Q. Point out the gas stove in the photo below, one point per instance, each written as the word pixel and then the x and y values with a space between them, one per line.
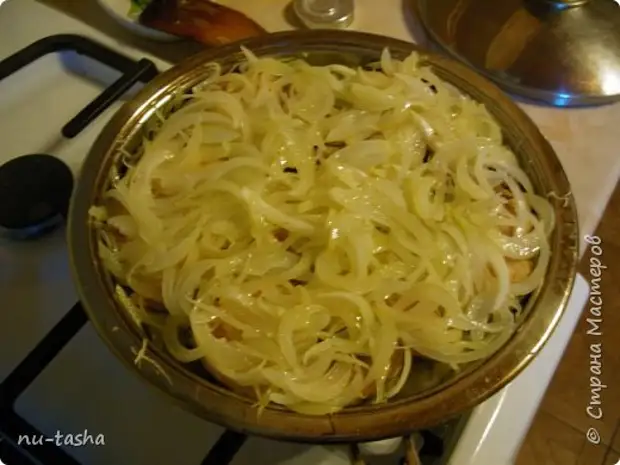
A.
pixel 64 398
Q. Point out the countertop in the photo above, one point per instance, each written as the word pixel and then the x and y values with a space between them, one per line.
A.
pixel 586 140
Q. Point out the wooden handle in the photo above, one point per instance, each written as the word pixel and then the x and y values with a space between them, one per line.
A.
pixel 201 20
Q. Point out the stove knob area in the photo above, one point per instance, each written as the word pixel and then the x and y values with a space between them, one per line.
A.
pixel 324 14
pixel 35 192
pixel 385 447
pixel 405 451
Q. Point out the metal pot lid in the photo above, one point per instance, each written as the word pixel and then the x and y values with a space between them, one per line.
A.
pixel 565 53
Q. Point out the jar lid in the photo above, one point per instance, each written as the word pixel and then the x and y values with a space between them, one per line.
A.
pixel 325 14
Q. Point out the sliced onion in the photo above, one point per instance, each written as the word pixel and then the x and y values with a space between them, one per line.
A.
pixel 310 223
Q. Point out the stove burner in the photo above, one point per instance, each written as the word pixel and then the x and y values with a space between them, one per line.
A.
pixel 34 195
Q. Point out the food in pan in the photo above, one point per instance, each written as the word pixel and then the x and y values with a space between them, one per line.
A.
pixel 311 234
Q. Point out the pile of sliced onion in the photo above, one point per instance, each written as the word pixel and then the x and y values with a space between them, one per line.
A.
pixel 309 232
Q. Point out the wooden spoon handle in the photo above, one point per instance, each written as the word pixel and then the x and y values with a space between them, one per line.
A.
pixel 200 20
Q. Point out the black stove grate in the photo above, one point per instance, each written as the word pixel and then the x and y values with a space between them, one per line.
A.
pixel 12 425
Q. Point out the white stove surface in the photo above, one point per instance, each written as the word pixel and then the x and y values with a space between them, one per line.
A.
pixel 85 387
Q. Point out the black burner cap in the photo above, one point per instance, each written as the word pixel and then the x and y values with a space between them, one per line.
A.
pixel 34 194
